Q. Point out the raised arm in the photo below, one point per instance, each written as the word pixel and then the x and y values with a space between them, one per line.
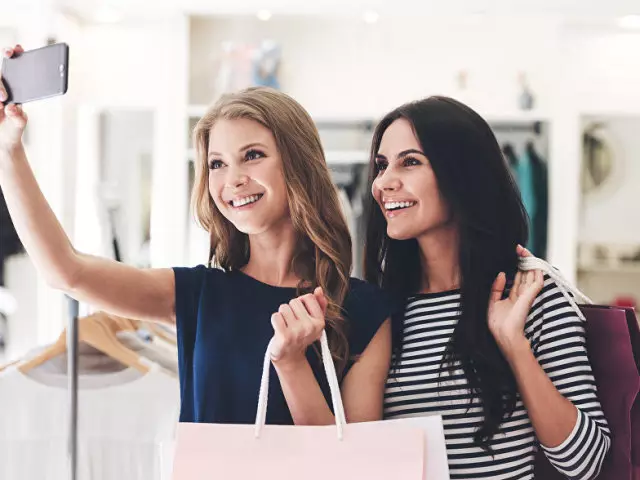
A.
pixel 111 286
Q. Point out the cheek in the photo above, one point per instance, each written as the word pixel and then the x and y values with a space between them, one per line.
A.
pixel 215 190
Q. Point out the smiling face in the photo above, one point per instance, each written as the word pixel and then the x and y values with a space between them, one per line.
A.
pixel 406 188
pixel 246 179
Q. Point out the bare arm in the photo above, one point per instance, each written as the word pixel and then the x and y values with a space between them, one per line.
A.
pixel 108 285
pixel 362 388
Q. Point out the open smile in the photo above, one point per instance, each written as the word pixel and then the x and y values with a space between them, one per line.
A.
pixel 243 203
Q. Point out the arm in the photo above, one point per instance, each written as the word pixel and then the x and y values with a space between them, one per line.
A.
pixel 553 416
pixel 558 348
pixel 362 388
pixel 108 285
pixel 553 373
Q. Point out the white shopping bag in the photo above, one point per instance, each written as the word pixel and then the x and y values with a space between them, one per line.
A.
pixel 411 449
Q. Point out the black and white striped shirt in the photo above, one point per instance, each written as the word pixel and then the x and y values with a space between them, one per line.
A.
pixel 557 337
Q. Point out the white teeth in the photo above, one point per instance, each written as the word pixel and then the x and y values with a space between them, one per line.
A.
pixel 246 200
pixel 398 205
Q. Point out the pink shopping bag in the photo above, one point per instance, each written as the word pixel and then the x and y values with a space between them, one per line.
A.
pixel 374 451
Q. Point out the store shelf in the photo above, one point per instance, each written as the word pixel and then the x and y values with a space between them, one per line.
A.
pixel 610 269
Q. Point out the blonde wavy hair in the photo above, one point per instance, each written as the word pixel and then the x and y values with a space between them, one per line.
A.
pixel 324 255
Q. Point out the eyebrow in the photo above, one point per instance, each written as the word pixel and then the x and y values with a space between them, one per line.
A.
pixel 246 147
pixel 403 153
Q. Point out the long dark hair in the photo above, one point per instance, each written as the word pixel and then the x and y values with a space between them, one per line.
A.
pixel 485 202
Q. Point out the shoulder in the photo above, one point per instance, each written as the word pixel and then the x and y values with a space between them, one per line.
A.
pixel 190 282
pixel 555 316
pixel 366 307
pixel 191 279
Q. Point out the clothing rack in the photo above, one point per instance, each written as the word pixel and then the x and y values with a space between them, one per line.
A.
pixel 529 127
pixel 72 376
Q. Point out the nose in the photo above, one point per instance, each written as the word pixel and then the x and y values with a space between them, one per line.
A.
pixel 388 181
pixel 236 177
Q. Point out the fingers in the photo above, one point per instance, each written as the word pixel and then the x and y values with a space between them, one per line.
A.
pixel 523 252
pixel 322 299
pixel 513 294
pixel 279 325
pixel 11 51
pixel 314 306
pixel 498 287
pixel 8 53
pixel 299 310
pixel 288 315
pixel 532 286
pixel 16 114
pixel 309 316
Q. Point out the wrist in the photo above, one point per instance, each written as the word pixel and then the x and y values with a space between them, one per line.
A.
pixel 517 349
pixel 12 152
pixel 290 363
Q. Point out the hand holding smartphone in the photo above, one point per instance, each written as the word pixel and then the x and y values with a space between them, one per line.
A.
pixel 34 74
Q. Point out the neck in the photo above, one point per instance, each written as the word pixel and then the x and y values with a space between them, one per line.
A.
pixel 439 260
pixel 271 256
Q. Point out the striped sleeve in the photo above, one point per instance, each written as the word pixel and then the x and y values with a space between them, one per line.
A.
pixel 558 340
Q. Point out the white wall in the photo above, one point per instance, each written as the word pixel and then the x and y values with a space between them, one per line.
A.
pixel 344 67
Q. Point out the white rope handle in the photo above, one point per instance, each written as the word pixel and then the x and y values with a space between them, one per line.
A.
pixel 535 263
pixel 332 378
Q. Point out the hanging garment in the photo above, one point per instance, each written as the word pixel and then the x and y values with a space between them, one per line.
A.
pixel 92 361
pixel 539 221
pixel 524 177
pixel 10 243
pixel 125 419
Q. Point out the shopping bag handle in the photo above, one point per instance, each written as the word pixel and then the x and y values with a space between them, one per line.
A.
pixel 568 290
pixel 332 378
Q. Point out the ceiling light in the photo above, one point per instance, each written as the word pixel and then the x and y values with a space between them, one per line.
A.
pixel 264 15
pixel 371 17
pixel 629 21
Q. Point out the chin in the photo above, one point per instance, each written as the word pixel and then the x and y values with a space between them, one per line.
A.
pixel 396 233
pixel 250 229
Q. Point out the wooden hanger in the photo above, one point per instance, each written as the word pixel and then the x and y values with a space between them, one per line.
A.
pixel 94 331
pixel 122 323
pixel 7 365
pixel 160 333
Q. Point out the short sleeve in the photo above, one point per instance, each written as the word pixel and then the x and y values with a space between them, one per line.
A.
pixel 366 308
pixel 189 283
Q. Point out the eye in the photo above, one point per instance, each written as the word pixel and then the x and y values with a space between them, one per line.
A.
pixel 411 162
pixel 215 164
pixel 381 165
pixel 253 154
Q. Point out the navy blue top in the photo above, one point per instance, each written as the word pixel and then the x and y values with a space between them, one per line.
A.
pixel 224 326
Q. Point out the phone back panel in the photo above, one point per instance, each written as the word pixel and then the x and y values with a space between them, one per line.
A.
pixel 36 74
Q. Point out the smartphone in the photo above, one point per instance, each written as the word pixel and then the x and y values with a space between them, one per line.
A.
pixel 36 74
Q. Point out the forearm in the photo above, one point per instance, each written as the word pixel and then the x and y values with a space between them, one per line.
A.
pixel 552 415
pixel 37 226
pixel 303 394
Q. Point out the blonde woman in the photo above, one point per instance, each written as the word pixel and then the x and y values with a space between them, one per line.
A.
pixel 279 267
